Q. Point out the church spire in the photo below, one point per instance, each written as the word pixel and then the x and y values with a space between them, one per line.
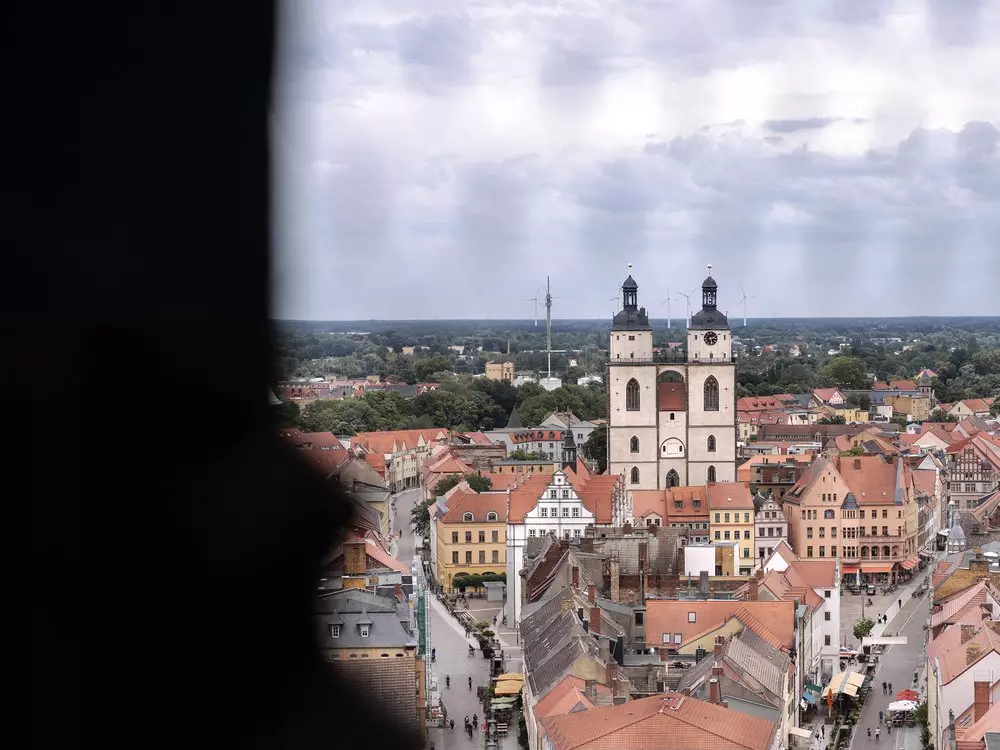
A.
pixel 631 317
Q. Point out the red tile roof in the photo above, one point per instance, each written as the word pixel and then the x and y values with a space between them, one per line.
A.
pixel 479 504
pixel 729 496
pixel 759 403
pixel 664 503
pixel 382 442
pixel 666 616
pixel 670 720
pixel 671 396
pixel 825 394
pixel 895 385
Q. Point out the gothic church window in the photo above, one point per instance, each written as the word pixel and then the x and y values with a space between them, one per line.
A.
pixel 633 445
pixel 635 475
pixel 711 474
pixel 673 480
pixel 711 394
pixel 711 443
pixel 632 395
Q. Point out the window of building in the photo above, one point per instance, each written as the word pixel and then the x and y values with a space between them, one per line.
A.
pixel 576 532
pixel 829 514
pixel 726 534
pixel 468 537
pixel 711 394
pixel 565 494
pixel 495 556
pixel 692 617
pixel 635 475
pixel 482 537
pixel 697 504
pixel 822 532
pixel 454 555
pixel 760 531
pixel 746 518
pixel 727 518
pixel 746 552
pixel 364 631
pixel 576 512
pixel 632 395
pixel 638 618
pixel 491 516
pixel 633 444
pixel 552 494
pixel 494 536
pixel 809 551
pixel 545 512
pixel 746 534
pixel 671 416
pixel 718 535
pixel 809 532
pixel 482 557
pixel 454 537
pixel 833 532
pixel 335 631
pixel 711 443
pixel 711 474
pixel 531 532
pixel 468 558
pixel 565 512
pixel 833 551
pixel 826 616
pixel 822 551
pixel 826 640
pixel 885 513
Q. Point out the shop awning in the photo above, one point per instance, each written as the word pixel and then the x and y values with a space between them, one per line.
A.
pixel 814 687
pixel 511 676
pixel 508 687
pixel 928 555
pixel 910 563
pixel 848 682
pixel 874 567
pixel 809 696
pixel 850 570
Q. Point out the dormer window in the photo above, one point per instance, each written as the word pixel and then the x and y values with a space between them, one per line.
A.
pixel 491 516
pixel 468 517
pixel 335 631
pixel 364 631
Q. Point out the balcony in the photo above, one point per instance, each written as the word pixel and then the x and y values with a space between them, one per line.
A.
pixel 870 540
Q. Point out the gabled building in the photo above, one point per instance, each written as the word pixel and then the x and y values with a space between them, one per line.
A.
pixel 972 470
pixel 471 535
pixel 771 527
pixel 684 626
pixel 372 641
pixel 675 508
pixel 403 452
pixel 731 518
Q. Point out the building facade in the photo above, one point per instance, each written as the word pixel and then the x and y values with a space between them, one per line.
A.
pixel 500 371
pixel 671 420
pixel 470 535
pixel 771 528
pixel 731 519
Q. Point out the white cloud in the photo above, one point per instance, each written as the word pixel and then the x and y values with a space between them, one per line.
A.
pixel 441 163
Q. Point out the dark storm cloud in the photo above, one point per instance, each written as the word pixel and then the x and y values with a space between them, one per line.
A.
pixel 792 126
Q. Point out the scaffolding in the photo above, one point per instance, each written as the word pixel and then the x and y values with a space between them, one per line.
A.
pixel 421 596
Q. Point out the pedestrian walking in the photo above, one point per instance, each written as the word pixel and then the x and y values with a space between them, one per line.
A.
pixel 900 603
pixel 879 717
pixel 823 730
pixel 890 687
pixel 877 732
pixel 883 687
pixel 869 734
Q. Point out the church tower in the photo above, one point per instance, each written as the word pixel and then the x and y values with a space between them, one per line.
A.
pixel 711 381
pixel 632 434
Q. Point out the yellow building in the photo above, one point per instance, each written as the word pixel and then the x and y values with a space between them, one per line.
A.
pixel 500 371
pixel 849 412
pixel 731 518
pixel 917 408
pixel 471 536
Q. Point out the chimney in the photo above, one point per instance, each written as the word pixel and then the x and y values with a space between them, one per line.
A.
pixel 611 677
pixel 355 563
pixel 628 529
pixel 591 593
pixel 660 685
pixel 968 632
pixel 980 699
pixel 595 620
pixel 616 571
pixel 717 650
pixel 951 727
pixel 759 575
pixel 587 544
pixel 576 578
pixel 590 688
pixel 714 691
pixel 752 593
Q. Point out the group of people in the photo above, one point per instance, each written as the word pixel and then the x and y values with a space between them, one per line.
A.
pixel 470 726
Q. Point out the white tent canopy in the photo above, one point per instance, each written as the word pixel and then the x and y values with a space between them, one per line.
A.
pixel 902 706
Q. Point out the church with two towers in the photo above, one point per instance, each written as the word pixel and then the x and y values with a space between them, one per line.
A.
pixel 671 419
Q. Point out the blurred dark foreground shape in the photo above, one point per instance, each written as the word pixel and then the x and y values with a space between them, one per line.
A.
pixel 173 543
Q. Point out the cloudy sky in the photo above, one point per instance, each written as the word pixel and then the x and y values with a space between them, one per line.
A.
pixel 439 158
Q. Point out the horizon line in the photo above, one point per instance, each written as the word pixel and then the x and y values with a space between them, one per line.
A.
pixel 608 321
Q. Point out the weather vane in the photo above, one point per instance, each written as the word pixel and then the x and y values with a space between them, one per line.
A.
pixel 709 269
pixel 629 269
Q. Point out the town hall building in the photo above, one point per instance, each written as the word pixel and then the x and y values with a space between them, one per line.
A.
pixel 671 420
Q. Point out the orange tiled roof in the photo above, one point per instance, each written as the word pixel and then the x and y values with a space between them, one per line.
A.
pixel 728 496
pixel 824 394
pixel 664 503
pixel 382 442
pixel 759 403
pixel 325 462
pixel 895 385
pixel 670 720
pixel 667 616
pixel 479 504
pixel 954 656
pixel 671 396
pixel 526 495
pixel 871 478
pixel 565 696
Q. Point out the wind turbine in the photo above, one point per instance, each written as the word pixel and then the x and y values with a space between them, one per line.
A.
pixel 687 300
pixel 536 300
pixel 667 302
pixel 744 303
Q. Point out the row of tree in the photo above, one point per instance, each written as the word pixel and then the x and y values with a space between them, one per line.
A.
pixel 462 403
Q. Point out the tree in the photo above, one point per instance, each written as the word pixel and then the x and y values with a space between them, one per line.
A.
pixel 596 447
pixel 479 483
pixel 420 516
pixel 836 419
pixel 520 455
pixel 288 414
pixel 995 407
pixel 446 483
pixel 863 628
pixel 846 372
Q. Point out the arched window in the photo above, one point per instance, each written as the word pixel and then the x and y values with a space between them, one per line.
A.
pixel 632 395
pixel 468 517
pixel 671 416
pixel 491 516
pixel 673 479
pixel 711 443
pixel 635 475
pixel 711 394
pixel 828 514
pixel 633 445
pixel 711 474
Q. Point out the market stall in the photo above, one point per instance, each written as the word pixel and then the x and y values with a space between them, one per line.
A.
pixel 901 712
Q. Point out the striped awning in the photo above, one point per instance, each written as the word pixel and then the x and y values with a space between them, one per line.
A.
pixel 910 563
